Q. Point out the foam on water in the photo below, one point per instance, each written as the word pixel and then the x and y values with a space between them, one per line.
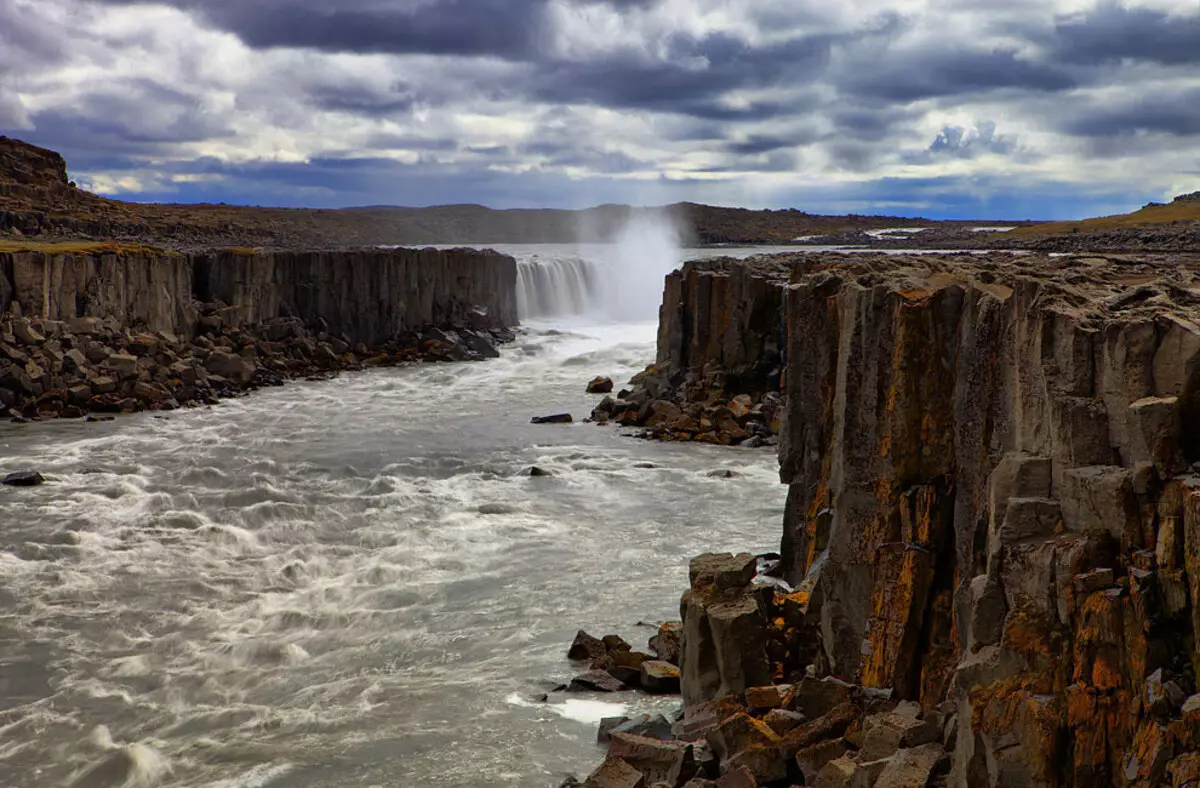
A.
pixel 342 582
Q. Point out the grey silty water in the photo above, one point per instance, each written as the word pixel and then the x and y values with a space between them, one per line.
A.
pixel 351 582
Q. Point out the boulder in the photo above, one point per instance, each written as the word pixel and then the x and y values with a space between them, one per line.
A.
pixel 667 643
pixel 884 734
pixel 652 726
pixel 556 418
pixel 670 762
pixel 812 759
pixel 910 768
pixel 600 385
pixel 660 678
pixel 234 368
pixel 615 773
pixel 122 365
pixel 23 479
pixel 596 681
pixel 586 647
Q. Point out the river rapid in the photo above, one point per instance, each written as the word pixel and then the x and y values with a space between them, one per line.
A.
pixel 356 582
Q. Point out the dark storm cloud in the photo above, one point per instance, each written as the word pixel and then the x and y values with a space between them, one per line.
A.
pixel 691 78
pixel 360 99
pixel 1176 114
pixel 125 121
pixel 935 73
pixel 1113 31
pixel 28 42
pixel 503 28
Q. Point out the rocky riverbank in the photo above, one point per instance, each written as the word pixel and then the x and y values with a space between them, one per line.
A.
pixel 114 329
pixel 719 366
pixel 989 556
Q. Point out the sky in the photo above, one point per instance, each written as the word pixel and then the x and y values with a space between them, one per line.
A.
pixel 991 109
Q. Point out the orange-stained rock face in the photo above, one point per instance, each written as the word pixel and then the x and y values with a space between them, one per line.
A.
pixel 1054 405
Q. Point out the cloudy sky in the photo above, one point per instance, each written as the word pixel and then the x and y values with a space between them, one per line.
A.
pixel 941 108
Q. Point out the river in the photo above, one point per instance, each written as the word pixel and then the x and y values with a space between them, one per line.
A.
pixel 356 582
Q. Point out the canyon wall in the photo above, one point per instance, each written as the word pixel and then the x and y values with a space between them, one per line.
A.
pixel 368 295
pixel 108 328
pixel 991 500
pixel 993 512
pixel 719 366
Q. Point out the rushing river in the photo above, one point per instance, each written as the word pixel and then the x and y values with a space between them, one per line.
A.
pixel 352 582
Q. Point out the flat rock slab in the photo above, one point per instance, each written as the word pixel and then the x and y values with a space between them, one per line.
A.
pixel 596 681
pixel 556 418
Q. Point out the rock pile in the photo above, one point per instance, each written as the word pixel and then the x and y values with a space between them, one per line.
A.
pixel 51 368
pixel 614 666
pixel 718 372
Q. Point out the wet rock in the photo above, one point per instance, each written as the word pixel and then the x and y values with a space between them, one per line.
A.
pixel 586 647
pixel 556 418
pixel 600 385
pixel 667 644
pixel 535 471
pixel 596 681
pixel 660 678
pixel 653 726
pixel 23 479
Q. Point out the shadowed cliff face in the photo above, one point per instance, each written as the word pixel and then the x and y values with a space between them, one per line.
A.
pixel 117 329
pixel 991 501
pixel 370 295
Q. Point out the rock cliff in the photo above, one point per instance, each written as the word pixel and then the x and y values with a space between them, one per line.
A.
pixel 991 500
pixel 119 328
pixel 991 550
pixel 719 365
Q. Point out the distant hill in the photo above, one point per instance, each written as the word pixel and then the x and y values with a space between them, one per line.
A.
pixel 1173 226
pixel 37 200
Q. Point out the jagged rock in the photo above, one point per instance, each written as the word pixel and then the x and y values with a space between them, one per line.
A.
pixel 595 681
pixel 586 647
pixel 828 726
pixel 742 741
pixel 659 677
pixel 122 365
pixel 884 734
pixel 910 768
pixel 667 642
pixel 774 696
pixel 659 761
pixel 811 760
pixel 600 385
pixel 615 773
pixel 651 726
pixel 781 720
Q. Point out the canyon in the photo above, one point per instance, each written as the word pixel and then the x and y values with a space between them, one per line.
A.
pixel 991 518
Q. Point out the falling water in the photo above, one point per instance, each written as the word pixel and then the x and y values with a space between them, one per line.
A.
pixel 556 286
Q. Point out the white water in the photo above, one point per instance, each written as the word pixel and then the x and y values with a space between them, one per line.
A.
pixel 352 582
pixel 619 281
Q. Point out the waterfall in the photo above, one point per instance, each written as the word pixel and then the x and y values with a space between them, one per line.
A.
pixel 557 286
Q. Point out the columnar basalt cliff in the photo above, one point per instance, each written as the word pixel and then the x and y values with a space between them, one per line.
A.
pixel 719 366
pixel 991 547
pixel 118 328
pixel 991 501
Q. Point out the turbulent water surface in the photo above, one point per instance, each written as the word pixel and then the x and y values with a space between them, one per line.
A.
pixel 353 582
